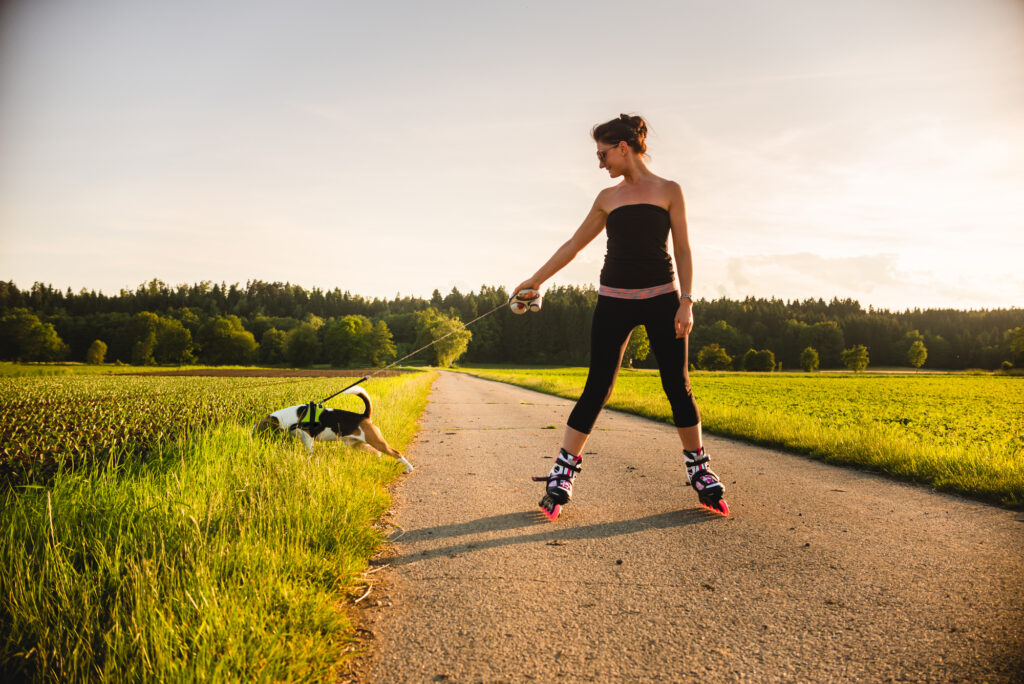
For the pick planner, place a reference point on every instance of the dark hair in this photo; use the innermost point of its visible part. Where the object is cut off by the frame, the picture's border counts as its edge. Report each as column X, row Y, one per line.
column 632, row 129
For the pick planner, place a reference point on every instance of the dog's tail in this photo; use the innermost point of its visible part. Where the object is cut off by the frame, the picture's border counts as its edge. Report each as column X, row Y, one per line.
column 364, row 396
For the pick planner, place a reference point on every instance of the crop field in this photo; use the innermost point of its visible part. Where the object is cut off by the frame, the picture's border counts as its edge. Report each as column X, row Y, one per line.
column 34, row 370
column 76, row 421
column 146, row 535
column 959, row 433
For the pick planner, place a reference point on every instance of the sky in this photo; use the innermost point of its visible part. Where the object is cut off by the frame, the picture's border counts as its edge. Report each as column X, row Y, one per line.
column 871, row 150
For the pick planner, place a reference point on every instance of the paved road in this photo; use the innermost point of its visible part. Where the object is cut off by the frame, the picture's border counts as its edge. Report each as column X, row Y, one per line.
column 821, row 573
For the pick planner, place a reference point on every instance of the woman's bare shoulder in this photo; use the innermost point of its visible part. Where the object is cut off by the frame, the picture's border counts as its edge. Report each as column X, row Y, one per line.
column 605, row 200
column 668, row 186
column 671, row 191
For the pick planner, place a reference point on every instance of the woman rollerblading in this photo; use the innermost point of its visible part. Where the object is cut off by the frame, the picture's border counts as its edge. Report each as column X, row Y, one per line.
column 638, row 287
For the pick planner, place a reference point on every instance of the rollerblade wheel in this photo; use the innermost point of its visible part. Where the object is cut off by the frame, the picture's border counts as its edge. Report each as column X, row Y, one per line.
column 549, row 508
column 720, row 506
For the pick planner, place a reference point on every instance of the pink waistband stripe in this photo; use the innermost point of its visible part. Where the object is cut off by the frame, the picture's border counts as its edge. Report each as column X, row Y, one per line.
column 641, row 293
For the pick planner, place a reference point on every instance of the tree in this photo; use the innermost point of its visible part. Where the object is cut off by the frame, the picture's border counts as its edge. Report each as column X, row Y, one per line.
column 14, row 329
column 97, row 352
column 827, row 337
column 917, row 354
column 1017, row 346
column 303, row 345
column 273, row 346
column 713, row 357
column 380, row 345
column 453, row 340
column 953, row 339
column 940, row 351
column 763, row 361
column 142, row 351
column 639, row 346
column 347, row 340
column 143, row 332
column 173, row 342
column 450, row 336
column 23, row 337
column 225, row 341
column 856, row 358
column 731, row 339
column 44, row 344
column 809, row 359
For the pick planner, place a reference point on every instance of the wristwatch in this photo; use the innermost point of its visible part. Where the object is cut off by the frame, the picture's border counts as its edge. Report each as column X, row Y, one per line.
column 687, row 296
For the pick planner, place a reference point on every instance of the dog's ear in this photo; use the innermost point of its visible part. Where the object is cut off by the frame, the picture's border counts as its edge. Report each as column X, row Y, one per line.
column 267, row 426
column 300, row 412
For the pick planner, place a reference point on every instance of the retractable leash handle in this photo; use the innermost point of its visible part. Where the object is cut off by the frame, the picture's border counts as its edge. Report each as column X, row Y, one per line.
column 525, row 300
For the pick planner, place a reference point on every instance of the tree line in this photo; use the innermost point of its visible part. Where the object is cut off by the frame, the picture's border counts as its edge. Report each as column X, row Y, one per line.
column 282, row 323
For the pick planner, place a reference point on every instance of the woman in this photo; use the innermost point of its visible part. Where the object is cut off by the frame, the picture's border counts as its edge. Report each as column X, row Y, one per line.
column 637, row 287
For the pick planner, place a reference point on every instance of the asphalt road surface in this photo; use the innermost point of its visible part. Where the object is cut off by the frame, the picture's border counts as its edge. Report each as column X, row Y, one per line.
column 820, row 574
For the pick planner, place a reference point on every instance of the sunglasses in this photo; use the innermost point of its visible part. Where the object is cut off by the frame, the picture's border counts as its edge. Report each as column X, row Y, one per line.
column 601, row 154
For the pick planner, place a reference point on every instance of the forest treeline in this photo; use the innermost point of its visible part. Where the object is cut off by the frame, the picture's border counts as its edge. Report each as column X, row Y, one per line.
column 282, row 323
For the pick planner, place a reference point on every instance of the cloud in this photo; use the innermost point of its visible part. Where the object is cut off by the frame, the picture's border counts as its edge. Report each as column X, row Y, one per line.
column 882, row 280
column 810, row 273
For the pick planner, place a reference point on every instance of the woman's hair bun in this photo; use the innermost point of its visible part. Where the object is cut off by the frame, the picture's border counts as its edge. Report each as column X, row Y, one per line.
column 637, row 123
column 628, row 127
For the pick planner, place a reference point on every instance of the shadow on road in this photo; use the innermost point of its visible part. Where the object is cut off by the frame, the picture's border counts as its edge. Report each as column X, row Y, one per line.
column 552, row 533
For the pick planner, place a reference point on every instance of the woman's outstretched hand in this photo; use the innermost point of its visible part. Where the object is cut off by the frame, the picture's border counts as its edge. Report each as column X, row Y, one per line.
column 531, row 284
column 684, row 319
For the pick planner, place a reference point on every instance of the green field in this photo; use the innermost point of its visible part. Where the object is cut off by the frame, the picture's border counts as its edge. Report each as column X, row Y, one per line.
column 20, row 370
column 956, row 432
column 146, row 536
column 10, row 369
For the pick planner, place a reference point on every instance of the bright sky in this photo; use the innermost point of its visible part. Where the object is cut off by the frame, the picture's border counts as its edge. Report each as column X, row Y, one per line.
column 872, row 150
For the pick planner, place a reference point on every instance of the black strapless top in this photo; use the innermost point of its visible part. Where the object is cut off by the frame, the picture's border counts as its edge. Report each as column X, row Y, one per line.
column 637, row 253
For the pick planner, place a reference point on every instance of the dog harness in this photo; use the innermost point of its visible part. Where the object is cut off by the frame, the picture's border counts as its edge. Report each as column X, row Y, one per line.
column 311, row 421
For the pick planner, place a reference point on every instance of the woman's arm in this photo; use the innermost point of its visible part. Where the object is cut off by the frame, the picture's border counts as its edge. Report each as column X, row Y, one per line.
column 591, row 227
column 684, row 259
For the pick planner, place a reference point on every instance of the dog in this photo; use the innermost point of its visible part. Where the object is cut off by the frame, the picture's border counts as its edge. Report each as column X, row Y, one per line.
column 331, row 425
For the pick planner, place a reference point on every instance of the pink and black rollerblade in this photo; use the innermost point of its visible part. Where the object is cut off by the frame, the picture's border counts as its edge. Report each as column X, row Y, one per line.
column 559, row 483
column 707, row 485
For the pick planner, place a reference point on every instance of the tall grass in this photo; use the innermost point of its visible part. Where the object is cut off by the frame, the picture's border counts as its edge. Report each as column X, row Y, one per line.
column 957, row 433
column 222, row 558
column 35, row 370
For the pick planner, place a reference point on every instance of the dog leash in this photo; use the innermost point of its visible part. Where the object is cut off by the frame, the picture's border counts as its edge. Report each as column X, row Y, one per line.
column 516, row 302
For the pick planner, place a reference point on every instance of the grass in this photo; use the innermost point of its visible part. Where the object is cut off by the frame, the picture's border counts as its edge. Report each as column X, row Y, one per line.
column 219, row 557
column 31, row 370
column 958, row 433
column 10, row 369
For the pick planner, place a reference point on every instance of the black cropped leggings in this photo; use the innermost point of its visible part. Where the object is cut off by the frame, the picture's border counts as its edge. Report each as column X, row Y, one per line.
column 614, row 320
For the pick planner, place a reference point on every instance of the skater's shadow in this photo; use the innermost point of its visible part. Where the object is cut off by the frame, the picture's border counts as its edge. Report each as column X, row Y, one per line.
column 509, row 521
column 493, row 523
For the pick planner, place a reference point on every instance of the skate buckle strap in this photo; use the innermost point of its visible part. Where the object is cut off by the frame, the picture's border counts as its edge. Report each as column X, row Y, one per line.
column 699, row 461
column 568, row 464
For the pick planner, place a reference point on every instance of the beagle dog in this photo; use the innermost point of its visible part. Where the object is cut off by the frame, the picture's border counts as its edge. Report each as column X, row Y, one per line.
column 329, row 425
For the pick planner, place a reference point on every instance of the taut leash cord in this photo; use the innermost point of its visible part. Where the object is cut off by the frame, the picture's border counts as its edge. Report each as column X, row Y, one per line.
column 395, row 363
